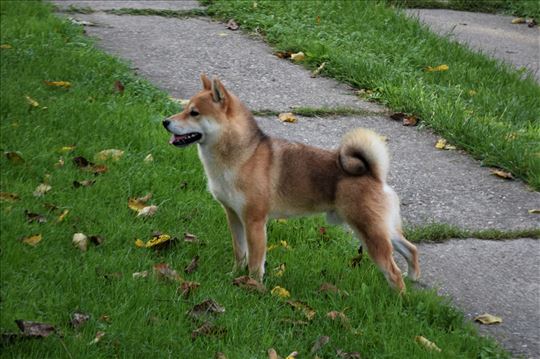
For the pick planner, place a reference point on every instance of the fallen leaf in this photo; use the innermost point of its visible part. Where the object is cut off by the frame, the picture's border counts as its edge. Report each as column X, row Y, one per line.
column 334, row 314
column 64, row 84
column 292, row 355
column 471, row 93
column 119, row 87
column 147, row 211
column 164, row 272
column 113, row 154
column 41, row 190
column 207, row 328
column 427, row 343
column 138, row 204
column 406, row 120
column 319, row 343
column 500, row 173
column 139, row 243
column 283, row 54
column 78, row 319
column 97, row 240
column 190, row 238
column 105, row 318
column 488, row 319
column 34, row 217
column 142, row 274
column 206, row 307
column 318, row 70
column 352, row 355
column 80, row 240
column 287, row 117
column 98, row 337
column 280, row 292
column 534, row 211
column 280, row 270
column 437, row 68
column 308, row 312
column 31, row 101
column 518, row 20
column 187, row 287
column 192, row 266
column 531, row 22
column 160, row 241
column 82, row 162
column 60, row 163
column 9, row 197
column 35, row 329
column 32, row 240
column 272, row 354
column 299, row 56
column 443, row 144
column 232, row 25
column 86, row 165
column 62, row 216
column 81, row 22
column 5, row 46
column 222, row 34
column 318, row 20
column 14, row 157
column 83, row 183
column 149, row 158
column 98, row 169
column 246, row 282
column 66, row 149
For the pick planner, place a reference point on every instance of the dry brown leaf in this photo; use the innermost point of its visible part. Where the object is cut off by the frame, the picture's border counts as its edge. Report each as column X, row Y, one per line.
column 192, row 266
column 97, row 240
column 187, row 287
column 64, row 84
column 32, row 240
column 437, row 68
column 80, row 240
column 246, row 282
column 308, row 312
column 488, row 319
column 83, row 183
column 318, row 70
column 299, row 56
column 34, row 217
column 119, row 87
column 287, row 117
column 78, row 319
column 112, row 153
column 164, row 272
column 82, row 162
column 41, row 190
column 319, row 343
column 9, row 197
column 206, row 307
column 283, row 54
column 14, row 157
column 500, row 173
column 35, row 329
column 232, row 25
column 190, row 238
column 427, row 343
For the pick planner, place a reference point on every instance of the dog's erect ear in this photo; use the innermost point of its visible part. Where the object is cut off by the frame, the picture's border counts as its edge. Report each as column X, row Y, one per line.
column 207, row 85
column 219, row 94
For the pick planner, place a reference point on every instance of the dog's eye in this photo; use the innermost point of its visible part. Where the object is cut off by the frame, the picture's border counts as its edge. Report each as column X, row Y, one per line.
column 193, row 113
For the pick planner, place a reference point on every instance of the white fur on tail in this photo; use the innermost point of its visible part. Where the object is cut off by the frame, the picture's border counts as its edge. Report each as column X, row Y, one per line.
column 361, row 148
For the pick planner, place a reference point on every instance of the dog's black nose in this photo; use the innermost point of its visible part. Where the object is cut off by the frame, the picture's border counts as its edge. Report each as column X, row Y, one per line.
column 166, row 124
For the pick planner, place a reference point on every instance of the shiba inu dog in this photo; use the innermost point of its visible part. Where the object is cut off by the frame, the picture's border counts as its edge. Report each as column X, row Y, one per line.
column 256, row 177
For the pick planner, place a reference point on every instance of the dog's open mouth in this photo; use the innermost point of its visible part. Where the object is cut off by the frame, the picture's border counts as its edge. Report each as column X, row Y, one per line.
column 186, row 139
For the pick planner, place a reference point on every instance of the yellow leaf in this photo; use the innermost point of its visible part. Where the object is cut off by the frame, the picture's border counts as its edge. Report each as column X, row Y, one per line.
column 518, row 20
column 32, row 240
column 280, row 292
column 500, row 173
column 41, row 190
column 63, row 215
column 443, row 144
column 427, row 344
column 139, row 243
column 488, row 319
column 292, row 355
column 5, row 46
column 284, row 244
column 299, row 56
column 112, row 153
column 534, row 211
column 31, row 101
column 137, row 204
column 472, row 93
column 9, row 197
column 157, row 240
column 67, row 148
column 304, row 308
column 280, row 270
column 437, row 68
column 281, row 220
column 287, row 117
column 64, row 84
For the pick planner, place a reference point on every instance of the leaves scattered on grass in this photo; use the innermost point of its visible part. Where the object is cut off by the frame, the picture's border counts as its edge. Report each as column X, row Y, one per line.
column 149, row 158
column 426, row 343
column 41, row 189
column 32, row 240
column 78, row 319
column 35, row 329
column 119, row 87
column 83, row 183
column 280, row 292
column 205, row 308
column 62, row 216
column 6, row 46
column 502, row 174
column 306, row 310
column 137, row 275
column 31, row 102
column 439, row 68
column 279, row 271
column 287, row 117
column 15, row 157
column 140, row 206
column 80, row 240
column 63, row 84
column 192, row 266
column 283, row 54
column 166, row 273
column 337, row 315
column 34, row 217
column 190, row 238
column 158, row 241
column 9, row 197
column 442, row 144
column 246, row 282
column 86, row 165
column 187, row 287
column 99, row 336
column 488, row 319
column 319, row 343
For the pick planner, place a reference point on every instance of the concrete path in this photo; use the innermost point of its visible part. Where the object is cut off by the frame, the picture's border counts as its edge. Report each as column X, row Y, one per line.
column 435, row 186
column 494, row 35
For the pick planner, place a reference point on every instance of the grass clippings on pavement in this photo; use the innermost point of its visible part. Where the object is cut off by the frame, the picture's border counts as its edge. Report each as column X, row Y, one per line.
column 135, row 299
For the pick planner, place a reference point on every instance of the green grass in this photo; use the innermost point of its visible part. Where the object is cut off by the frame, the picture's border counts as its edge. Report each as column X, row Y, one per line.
column 52, row 280
column 528, row 8
column 484, row 106
column 439, row 232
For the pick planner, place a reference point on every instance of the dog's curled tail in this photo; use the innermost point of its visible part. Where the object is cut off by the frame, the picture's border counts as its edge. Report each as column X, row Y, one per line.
column 363, row 151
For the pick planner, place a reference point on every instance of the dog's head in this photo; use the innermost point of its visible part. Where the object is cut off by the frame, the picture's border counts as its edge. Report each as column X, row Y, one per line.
column 203, row 118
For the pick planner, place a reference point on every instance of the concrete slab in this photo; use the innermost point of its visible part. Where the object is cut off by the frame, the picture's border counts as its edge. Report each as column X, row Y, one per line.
column 118, row 4
column 494, row 35
column 496, row 277
column 434, row 185
column 172, row 53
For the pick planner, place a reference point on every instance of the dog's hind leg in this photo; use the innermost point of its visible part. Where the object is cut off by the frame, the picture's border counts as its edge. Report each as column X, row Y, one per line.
column 238, row 240
column 409, row 252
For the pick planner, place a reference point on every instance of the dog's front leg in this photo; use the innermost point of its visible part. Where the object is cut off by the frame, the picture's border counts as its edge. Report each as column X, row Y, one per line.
column 256, row 240
column 238, row 240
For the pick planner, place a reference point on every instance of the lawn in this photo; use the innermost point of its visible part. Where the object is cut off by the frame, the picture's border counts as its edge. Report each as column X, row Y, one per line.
column 46, row 129
column 479, row 104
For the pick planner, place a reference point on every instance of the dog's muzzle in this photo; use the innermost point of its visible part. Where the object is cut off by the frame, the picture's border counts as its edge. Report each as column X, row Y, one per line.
column 183, row 139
